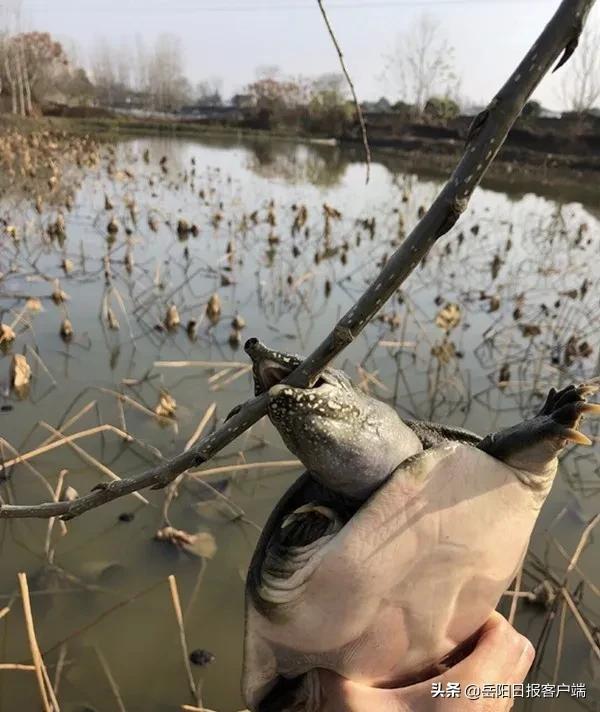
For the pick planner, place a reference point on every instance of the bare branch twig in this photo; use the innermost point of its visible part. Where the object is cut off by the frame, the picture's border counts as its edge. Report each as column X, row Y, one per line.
column 47, row 694
column 361, row 118
column 183, row 640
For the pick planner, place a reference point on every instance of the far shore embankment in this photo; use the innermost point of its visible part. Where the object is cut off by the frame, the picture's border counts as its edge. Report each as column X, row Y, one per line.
column 557, row 157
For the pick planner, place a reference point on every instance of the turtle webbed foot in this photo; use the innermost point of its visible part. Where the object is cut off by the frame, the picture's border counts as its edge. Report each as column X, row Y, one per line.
column 566, row 408
column 534, row 444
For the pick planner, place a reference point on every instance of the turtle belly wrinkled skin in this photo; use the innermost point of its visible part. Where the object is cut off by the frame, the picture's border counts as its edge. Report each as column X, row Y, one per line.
column 413, row 574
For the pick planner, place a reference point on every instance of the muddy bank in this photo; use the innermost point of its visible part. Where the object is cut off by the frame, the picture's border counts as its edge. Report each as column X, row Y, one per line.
column 429, row 151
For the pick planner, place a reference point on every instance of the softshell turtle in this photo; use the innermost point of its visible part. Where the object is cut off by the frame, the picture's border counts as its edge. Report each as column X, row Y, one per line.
column 385, row 558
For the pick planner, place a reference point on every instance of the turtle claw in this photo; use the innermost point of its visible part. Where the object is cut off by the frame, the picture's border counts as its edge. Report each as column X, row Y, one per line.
column 572, row 394
column 575, row 436
column 564, row 410
column 588, row 389
column 534, row 444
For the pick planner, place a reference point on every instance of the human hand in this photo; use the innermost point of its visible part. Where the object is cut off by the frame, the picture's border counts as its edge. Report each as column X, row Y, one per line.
column 501, row 656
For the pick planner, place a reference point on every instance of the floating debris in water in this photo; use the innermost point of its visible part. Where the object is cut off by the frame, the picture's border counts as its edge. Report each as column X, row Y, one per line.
column 213, row 308
column 202, row 658
column 543, row 595
column 7, row 334
column 34, row 305
column 192, row 329
column 20, row 372
column 238, row 322
column 530, row 329
column 113, row 226
column 58, row 296
column 172, row 320
column 201, row 544
column 66, row 330
column 111, row 320
column 235, row 338
column 448, row 318
column 504, row 376
column 444, row 351
column 166, row 405
column 183, row 228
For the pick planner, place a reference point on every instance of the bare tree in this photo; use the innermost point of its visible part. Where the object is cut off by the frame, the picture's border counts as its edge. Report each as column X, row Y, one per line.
column 422, row 64
column 141, row 69
column 18, row 66
column 11, row 78
column 155, row 75
column 26, row 77
column 124, row 66
column 332, row 87
column 43, row 66
column 12, row 64
column 103, row 69
column 210, row 90
column 167, row 82
column 580, row 86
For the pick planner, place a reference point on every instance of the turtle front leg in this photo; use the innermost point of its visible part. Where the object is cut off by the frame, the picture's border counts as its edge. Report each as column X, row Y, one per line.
column 534, row 445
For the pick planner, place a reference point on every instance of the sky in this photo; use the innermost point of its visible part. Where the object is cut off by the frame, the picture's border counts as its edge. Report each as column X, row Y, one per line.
column 231, row 38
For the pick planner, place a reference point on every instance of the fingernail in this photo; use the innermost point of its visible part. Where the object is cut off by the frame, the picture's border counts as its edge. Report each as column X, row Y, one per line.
column 528, row 653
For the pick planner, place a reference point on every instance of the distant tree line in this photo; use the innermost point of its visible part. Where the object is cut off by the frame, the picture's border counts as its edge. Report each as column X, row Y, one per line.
column 36, row 70
column 315, row 105
column 140, row 76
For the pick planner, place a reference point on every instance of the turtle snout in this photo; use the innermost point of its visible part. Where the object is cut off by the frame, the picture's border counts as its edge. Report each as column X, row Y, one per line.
column 251, row 345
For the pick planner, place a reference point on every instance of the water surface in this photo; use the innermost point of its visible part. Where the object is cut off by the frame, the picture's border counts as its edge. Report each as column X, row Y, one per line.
column 521, row 267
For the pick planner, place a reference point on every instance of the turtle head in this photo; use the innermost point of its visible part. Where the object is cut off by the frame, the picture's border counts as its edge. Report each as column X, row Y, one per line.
column 349, row 441
column 269, row 367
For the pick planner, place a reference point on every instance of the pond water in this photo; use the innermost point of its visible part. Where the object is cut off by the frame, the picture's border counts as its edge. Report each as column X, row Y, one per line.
column 522, row 269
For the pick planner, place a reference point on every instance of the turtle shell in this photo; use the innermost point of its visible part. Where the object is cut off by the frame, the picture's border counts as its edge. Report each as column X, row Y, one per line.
column 403, row 581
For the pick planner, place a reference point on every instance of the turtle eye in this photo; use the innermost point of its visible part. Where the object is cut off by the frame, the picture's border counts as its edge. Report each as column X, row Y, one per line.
column 333, row 377
column 326, row 378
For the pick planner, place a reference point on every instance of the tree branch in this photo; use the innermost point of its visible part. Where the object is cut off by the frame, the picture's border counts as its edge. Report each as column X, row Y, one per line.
column 361, row 118
column 485, row 140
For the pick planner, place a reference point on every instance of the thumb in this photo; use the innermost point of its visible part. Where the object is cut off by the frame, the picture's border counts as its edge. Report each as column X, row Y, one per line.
column 502, row 655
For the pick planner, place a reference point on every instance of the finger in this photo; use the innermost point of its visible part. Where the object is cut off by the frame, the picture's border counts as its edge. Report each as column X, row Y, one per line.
column 502, row 655
column 342, row 695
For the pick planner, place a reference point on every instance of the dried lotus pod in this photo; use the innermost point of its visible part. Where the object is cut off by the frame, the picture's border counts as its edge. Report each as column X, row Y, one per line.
column 20, row 372
column 172, row 319
column 66, row 330
column 213, row 308
column 166, row 406
column 7, row 334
